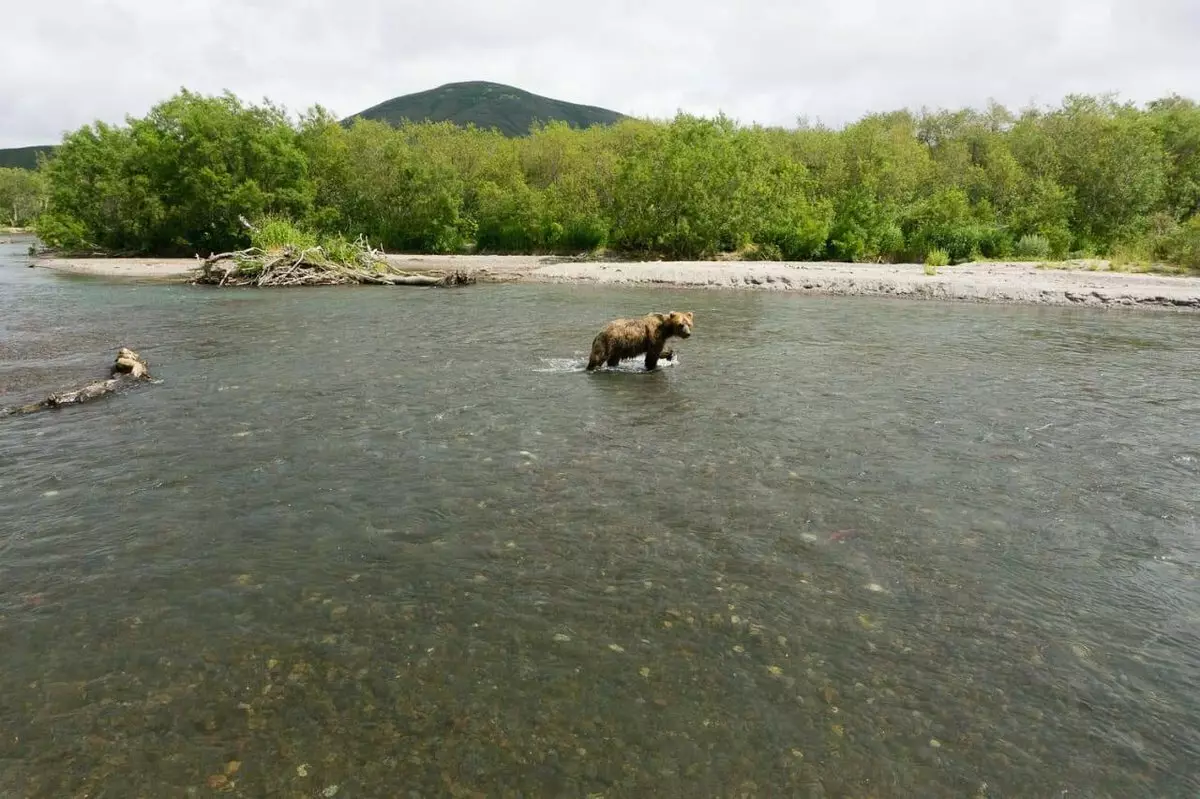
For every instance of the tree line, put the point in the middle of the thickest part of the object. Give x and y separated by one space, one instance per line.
1091 177
22 196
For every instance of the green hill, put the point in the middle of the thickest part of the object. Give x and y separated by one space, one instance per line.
486 105
23 157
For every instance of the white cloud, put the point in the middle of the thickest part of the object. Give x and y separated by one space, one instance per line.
66 63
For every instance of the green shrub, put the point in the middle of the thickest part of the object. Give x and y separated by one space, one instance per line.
178 180
508 219
995 242
587 233
340 249
1032 245
277 232
764 252
846 243
1181 247
891 242
936 258
22 196
63 231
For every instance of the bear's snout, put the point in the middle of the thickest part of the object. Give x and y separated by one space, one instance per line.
685 330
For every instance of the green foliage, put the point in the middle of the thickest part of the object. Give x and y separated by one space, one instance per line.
1177 122
1108 158
872 171
341 250
277 232
22 196
695 188
387 184
511 221
176 181
943 223
764 252
1182 245
1032 245
936 258
1090 176
585 233
1042 207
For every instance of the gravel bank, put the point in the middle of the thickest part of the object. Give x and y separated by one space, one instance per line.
978 282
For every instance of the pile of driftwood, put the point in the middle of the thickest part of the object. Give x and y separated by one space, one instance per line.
129 368
313 266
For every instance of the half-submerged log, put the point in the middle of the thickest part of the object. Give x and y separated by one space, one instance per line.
127 369
456 278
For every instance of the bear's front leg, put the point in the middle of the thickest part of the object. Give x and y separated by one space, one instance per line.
652 359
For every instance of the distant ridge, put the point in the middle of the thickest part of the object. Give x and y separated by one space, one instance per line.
486 105
24 157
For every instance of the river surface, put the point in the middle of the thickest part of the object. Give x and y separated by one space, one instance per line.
371 542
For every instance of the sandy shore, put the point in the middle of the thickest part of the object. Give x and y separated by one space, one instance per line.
979 282
172 269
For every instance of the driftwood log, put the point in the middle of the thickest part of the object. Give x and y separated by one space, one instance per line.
313 266
128 368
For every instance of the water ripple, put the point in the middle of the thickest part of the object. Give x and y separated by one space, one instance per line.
836 548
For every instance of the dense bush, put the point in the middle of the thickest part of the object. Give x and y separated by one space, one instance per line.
176 181
1032 245
22 196
1090 177
1182 245
935 258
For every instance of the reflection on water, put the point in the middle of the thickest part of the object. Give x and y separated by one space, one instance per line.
394 543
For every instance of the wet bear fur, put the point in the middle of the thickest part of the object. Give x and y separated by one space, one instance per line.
629 338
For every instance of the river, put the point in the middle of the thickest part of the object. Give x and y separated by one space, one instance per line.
365 542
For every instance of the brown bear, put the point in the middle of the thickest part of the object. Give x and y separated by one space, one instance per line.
629 338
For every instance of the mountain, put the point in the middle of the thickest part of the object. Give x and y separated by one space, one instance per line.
487 105
23 157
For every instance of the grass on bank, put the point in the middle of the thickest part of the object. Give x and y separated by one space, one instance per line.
276 234
282 253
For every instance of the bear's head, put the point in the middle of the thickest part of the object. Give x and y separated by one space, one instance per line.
676 323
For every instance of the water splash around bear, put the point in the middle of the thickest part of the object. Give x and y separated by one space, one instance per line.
579 364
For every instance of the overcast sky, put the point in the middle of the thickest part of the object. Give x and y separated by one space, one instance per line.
65 63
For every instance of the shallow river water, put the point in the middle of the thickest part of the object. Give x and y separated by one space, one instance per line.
396 543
